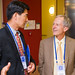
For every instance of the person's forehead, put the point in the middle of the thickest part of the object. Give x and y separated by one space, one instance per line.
59 19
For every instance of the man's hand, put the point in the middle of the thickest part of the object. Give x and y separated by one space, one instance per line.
5 69
31 67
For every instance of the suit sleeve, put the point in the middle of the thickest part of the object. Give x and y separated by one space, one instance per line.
73 71
0 55
41 58
32 60
74 65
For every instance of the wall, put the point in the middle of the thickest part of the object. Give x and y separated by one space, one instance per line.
5 3
1 14
47 19
60 7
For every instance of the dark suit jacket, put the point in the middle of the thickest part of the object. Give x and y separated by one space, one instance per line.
46 57
9 53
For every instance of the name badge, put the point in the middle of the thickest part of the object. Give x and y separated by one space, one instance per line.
61 70
23 60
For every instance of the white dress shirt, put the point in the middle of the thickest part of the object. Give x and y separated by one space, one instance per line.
62 45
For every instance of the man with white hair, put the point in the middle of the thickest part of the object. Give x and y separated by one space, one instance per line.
57 54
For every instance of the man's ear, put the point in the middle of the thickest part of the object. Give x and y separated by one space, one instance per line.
66 29
15 16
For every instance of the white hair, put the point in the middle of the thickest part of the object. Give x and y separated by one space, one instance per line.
66 22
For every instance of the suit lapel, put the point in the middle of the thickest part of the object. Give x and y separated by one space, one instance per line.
67 52
11 40
25 48
52 54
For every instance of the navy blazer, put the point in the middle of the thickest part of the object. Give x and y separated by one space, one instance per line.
9 53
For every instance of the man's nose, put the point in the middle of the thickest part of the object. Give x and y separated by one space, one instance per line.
54 26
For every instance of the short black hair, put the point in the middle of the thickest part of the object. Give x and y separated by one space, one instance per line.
16 6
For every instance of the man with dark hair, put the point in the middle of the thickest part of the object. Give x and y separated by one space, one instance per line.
13 48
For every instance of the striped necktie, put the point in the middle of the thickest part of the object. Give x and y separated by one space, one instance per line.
19 44
20 50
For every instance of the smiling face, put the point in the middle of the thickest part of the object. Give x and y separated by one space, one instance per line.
58 28
22 19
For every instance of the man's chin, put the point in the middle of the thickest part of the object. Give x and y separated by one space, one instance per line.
54 34
22 26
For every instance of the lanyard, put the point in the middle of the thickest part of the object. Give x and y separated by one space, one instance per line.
56 51
15 39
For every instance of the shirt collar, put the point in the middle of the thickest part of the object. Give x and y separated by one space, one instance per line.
14 31
62 40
